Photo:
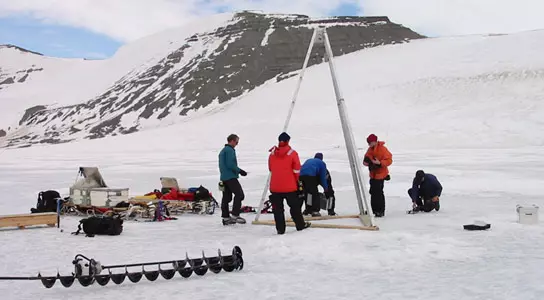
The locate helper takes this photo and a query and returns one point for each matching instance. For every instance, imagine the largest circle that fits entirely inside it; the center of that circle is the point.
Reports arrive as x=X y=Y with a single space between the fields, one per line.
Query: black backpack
x=202 y=193
x=101 y=225
x=47 y=202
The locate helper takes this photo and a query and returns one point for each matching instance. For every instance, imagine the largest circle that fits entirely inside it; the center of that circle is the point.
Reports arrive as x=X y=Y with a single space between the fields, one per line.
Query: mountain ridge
x=210 y=67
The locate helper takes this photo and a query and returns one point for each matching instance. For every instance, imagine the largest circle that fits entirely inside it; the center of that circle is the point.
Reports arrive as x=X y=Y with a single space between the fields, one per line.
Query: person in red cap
x=284 y=166
x=377 y=159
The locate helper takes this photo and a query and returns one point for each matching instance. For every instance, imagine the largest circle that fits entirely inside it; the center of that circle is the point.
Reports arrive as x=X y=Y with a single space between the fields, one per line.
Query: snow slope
x=467 y=109
x=71 y=81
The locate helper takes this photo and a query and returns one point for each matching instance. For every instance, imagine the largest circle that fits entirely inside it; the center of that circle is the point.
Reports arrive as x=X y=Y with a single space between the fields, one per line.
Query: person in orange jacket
x=284 y=166
x=377 y=159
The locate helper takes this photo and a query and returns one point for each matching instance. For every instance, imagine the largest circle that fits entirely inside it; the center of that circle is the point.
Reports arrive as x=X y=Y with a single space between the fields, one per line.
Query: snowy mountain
x=12 y=74
x=201 y=67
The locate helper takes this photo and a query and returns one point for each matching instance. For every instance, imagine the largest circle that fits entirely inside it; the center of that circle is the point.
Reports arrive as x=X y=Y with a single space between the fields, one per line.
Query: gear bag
x=201 y=193
x=101 y=225
x=326 y=202
x=47 y=202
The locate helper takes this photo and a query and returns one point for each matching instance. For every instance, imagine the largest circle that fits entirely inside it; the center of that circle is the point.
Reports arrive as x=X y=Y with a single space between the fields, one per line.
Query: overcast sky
x=96 y=28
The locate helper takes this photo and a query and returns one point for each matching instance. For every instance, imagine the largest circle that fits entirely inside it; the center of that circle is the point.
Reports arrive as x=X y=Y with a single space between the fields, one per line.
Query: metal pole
x=355 y=163
x=300 y=77
x=58 y=211
x=290 y=113
x=341 y=109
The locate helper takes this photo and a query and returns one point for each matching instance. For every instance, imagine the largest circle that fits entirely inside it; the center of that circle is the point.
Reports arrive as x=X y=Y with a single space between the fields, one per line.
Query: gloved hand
x=300 y=190
x=300 y=186
x=243 y=173
x=435 y=199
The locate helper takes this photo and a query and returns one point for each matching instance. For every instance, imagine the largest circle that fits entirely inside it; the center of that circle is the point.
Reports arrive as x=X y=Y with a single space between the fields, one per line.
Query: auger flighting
x=88 y=271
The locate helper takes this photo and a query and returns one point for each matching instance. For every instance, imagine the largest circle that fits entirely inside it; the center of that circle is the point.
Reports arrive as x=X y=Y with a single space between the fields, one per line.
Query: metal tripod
x=321 y=38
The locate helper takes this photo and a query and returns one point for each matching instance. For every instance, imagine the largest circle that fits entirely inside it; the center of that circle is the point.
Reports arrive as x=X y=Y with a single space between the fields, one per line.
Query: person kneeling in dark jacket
x=425 y=192
x=312 y=174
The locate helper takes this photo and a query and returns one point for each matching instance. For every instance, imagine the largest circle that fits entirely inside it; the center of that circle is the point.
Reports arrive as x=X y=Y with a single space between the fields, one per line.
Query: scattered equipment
x=91 y=190
x=477 y=225
x=527 y=215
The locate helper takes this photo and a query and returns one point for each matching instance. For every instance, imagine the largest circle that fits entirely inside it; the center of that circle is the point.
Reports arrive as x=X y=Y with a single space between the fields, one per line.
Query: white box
x=91 y=190
x=103 y=197
x=527 y=215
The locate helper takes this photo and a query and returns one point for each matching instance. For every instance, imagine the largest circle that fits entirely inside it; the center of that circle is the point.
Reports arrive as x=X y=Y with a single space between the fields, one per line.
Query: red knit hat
x=371 y=138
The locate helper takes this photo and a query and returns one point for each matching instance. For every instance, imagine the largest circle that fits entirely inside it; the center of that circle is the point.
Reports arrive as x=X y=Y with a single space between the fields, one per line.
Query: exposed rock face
x=31 y=111
x=211 y=67
x=17 y=77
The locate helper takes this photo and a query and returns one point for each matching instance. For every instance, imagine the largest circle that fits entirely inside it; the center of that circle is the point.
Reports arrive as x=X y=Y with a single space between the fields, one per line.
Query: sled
x=24 y=220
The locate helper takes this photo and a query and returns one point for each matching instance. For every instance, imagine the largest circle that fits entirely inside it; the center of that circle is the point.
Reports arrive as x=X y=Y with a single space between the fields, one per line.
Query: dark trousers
x=232 y=186
x=424 y=201
x=295 y=205
x=377 y=198
x=311 y=193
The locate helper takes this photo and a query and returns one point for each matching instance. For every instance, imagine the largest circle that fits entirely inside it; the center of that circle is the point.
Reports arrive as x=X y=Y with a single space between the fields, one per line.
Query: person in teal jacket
x=229 y=171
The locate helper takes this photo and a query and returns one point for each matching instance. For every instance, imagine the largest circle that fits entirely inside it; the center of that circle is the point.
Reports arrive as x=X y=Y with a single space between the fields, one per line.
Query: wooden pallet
x=309 y=218
x=318 y=225
x=25 y=220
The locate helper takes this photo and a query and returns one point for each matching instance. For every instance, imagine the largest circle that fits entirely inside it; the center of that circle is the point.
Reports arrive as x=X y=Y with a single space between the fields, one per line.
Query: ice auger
x=88 y=271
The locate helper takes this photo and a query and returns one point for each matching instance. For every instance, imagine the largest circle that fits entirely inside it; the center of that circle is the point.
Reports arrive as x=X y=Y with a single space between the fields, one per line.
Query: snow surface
x=467 y=109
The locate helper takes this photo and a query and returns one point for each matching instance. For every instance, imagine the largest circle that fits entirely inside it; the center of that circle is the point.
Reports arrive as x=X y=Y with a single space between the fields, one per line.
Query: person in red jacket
x=284 y=166
x=377 y=159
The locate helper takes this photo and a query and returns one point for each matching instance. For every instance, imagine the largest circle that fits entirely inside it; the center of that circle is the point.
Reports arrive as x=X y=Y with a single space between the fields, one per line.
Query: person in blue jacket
x=229 y=170
x=425 y=192
x=312 y=174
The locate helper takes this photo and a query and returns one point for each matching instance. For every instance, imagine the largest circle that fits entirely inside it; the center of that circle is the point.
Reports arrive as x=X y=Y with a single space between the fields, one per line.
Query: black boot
x=306 y=225
x=229 y=221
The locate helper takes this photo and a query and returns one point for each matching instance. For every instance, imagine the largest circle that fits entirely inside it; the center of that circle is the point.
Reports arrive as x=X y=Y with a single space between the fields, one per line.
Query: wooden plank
x=23 y=220
x=28 y=215
x=307 y=218
x=317 y=225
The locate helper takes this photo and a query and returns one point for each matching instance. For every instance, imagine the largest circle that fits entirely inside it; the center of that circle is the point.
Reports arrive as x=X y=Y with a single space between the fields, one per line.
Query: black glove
x=243 y=173
x=300 y=190
x=371 y=165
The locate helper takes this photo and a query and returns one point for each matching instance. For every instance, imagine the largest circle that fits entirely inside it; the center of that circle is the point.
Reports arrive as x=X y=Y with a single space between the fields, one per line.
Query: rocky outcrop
x=17 y=77
x=211 y=67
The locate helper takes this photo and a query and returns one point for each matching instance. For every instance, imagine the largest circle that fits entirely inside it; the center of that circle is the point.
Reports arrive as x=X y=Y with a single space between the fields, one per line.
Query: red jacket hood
x=380 y=143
